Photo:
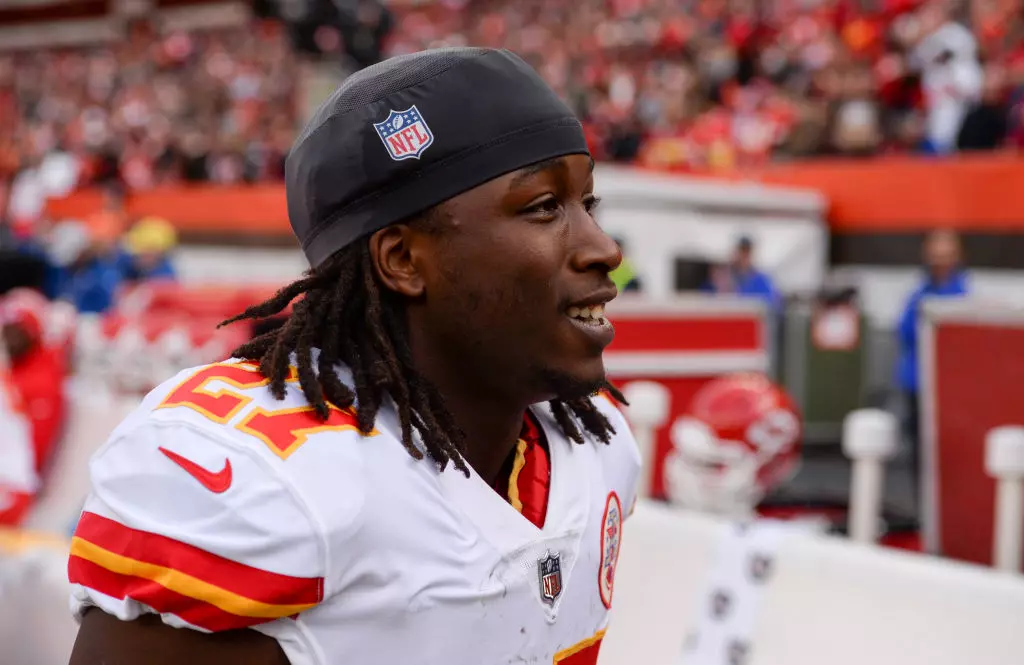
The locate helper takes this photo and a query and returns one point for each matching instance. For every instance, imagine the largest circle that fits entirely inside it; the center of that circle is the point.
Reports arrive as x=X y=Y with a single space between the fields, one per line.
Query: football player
x=424 y=465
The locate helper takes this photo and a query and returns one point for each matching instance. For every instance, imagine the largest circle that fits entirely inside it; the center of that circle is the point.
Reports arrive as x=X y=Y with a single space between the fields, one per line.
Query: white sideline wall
x=36 y=627
x=825 y=600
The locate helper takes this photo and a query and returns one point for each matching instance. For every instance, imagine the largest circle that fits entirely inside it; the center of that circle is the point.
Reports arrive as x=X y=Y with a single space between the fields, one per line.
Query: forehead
x=569 y=164
x=567 y=173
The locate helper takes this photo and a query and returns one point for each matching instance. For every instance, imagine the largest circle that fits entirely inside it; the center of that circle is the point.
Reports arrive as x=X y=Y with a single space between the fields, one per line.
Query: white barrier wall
x=691 y=590
x=36 y=627
x=822 y=600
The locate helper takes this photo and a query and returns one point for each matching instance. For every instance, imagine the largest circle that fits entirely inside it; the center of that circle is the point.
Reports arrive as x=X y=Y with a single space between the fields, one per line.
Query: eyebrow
x=540 y=167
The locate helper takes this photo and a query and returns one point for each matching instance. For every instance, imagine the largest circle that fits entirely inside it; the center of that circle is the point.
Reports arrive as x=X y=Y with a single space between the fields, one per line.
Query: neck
x=491 y=426
x=490 y=419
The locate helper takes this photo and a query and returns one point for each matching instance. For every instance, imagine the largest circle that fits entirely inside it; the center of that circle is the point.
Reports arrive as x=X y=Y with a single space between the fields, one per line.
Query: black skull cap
x=401 y=136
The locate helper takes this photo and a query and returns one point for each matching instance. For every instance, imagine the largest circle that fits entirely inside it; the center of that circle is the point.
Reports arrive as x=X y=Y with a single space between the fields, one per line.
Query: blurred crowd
x=158 y=108
x=699 y=84
x=87 y=262
x=211 y=106
x=723 y=83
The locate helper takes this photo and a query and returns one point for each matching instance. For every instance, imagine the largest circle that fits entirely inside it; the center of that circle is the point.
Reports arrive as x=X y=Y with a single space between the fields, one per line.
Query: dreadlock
x=350 y=319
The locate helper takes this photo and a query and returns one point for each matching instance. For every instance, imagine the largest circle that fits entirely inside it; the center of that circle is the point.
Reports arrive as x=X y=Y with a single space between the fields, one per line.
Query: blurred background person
x=18 y=478
x=625 y=276
x=37 y=370
x=741 y=277
x=88 y=270
x=986 y=124
x=951 y=77
x=146 y=250
x=944 y=277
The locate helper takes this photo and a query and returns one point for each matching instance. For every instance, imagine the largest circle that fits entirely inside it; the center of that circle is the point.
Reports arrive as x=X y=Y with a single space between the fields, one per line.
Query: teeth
x=594 y=313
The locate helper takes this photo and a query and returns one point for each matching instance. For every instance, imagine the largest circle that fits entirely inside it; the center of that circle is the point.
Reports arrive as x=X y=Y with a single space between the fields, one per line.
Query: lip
x=601 y=335
x=602 y=297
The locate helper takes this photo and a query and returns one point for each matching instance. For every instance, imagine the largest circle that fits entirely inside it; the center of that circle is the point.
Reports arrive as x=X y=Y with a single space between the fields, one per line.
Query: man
x=944 y=278
x=743 y=278
x=946 y=54
x=18 y=478
x=146 y=251
x=416 y=468
x=625 y=276
x=37 y=369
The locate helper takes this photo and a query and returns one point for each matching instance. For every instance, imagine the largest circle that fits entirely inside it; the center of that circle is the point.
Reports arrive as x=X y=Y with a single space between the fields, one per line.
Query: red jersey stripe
x=165 y=601
x=253 y=583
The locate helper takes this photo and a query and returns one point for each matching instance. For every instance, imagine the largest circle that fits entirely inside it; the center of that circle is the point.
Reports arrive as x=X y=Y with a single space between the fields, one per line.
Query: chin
x=573 y=384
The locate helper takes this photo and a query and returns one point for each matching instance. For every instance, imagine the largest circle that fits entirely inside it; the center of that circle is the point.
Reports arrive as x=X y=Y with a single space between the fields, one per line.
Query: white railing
x=1004 y=460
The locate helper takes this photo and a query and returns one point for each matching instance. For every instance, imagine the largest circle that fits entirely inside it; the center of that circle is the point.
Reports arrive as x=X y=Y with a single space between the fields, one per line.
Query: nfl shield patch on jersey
x=549 y=570
x=405 y=134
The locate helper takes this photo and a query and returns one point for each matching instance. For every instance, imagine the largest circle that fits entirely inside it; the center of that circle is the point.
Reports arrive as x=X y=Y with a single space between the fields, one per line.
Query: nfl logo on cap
x=405 y=134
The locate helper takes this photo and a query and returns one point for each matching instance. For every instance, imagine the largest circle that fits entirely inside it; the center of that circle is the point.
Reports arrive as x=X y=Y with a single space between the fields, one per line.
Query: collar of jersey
x=568 y=499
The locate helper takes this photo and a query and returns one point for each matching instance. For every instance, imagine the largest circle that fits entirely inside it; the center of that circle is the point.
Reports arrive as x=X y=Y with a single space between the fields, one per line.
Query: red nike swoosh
x=215 y=482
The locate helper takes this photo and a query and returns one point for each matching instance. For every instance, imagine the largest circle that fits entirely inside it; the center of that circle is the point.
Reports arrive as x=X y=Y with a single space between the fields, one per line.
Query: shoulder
x=622 y=445
x=216 y=505
x=231 y=402
x=181 y=522
x=619 y=458
x=917 y=294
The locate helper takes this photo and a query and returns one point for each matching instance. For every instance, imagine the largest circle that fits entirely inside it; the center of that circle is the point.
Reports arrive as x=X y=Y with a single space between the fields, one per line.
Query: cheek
x=510 y=287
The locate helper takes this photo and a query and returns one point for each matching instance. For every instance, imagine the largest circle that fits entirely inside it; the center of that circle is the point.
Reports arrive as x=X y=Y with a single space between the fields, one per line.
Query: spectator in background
x=951 y=78
x=985 y=126
x=110 y=220
x=93 y=272
x=18 y=478
x=146 y=251
x=36 y=370
x=857 y=121
x=625 y=276
x=944 y=277
x=741 y=277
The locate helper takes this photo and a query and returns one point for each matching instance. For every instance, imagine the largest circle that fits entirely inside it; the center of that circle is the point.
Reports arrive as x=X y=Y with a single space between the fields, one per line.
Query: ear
x=393 y=251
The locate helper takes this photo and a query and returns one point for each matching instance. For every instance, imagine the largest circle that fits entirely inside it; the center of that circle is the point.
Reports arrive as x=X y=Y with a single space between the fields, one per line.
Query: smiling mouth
x=592 y=316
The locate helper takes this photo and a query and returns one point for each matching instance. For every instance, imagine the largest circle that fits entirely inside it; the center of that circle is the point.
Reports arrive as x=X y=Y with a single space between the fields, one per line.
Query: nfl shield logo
x=405 y=134
x=550 y=571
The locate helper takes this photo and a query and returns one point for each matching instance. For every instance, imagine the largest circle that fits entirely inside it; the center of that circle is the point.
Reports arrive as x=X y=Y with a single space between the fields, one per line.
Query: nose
x=594 y=249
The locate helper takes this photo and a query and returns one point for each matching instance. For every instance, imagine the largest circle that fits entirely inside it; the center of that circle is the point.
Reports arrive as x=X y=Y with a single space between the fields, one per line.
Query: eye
x=590 y=202
x=545 y=208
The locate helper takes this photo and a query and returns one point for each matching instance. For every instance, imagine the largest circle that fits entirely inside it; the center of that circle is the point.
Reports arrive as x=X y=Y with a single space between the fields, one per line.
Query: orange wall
x=981 y=194
x=257 y=210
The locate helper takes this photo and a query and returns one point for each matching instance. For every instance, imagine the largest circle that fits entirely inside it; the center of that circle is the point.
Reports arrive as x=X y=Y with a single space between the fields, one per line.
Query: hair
x=346 y=314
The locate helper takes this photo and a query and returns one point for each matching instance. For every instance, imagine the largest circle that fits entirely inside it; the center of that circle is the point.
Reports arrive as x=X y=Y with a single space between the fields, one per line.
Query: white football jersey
x=219 y=507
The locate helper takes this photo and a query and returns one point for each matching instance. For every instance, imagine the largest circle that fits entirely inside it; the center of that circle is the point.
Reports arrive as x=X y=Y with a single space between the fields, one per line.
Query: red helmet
x=739 y=439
